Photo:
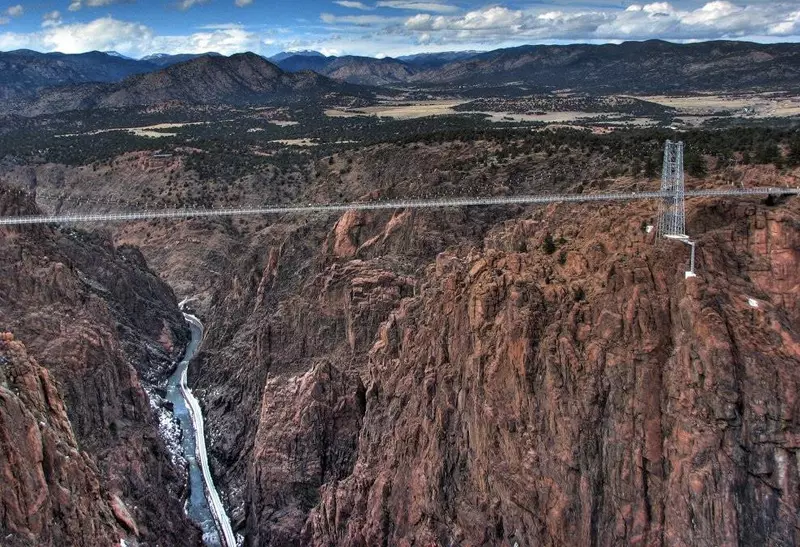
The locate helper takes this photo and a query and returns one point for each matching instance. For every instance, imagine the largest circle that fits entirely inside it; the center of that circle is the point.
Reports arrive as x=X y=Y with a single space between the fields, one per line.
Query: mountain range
x=165 y=59
x=244 y=78
x=653 y=66
x=23 y=72
x=56 y=81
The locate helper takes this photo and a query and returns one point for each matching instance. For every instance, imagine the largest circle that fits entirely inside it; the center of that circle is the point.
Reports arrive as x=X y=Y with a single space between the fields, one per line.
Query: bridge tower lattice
x=671 y=209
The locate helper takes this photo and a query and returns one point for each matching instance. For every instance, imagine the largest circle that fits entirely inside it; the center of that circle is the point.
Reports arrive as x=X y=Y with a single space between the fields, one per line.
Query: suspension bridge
x=671 y=220
x=665 y=196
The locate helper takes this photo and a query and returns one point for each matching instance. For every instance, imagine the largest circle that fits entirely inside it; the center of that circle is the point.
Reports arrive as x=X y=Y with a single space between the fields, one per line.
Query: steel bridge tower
x=671 y=208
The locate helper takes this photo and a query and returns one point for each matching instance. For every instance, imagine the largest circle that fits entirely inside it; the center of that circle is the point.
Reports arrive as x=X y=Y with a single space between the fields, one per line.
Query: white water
x=196 y=413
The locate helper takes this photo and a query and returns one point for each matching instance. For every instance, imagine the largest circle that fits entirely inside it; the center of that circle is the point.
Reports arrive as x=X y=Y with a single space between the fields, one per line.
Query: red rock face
x=98 y=322
x=307 y=436
x=52 y=491
x=591 y=395
x=605 y=400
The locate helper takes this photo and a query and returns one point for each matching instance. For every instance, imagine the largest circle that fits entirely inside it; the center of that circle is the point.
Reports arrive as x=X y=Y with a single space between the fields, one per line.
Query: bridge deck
x=148 y=214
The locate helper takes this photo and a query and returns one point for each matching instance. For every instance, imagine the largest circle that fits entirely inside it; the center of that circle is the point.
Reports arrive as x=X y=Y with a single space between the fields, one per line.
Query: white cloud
x=718 y=19
x=15 y=11
x=353 y=5
x=358 y=20
x=103 y=34
x=436 y=7
x=497 y=18
x=76 y=5
x=4 y=20
x=51 y=19
x=243 y=3
x=183 y=5
x=132 y=39
x=225 y=41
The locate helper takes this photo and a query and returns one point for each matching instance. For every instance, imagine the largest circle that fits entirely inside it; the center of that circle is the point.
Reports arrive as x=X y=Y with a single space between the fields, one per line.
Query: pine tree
x=650 y=168
x=549 y=246
x=794 y=151
x=695 y=165
x=768 y=153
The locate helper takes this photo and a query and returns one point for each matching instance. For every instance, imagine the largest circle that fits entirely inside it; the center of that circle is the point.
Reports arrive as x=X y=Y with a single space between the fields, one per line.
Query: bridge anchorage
x=672 y=206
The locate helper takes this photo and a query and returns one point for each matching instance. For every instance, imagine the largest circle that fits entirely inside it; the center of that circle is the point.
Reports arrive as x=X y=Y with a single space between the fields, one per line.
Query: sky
x=377 y=28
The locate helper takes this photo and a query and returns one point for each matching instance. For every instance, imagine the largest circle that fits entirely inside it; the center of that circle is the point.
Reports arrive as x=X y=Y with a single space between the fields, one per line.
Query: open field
x=296 y=142
x=403 y=111
x=760 y=105
x=146 y=131
x=447 y=108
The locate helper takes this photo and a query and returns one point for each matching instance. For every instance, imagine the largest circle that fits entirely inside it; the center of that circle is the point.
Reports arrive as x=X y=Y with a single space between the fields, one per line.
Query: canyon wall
x=541 y=379
x=101 y=326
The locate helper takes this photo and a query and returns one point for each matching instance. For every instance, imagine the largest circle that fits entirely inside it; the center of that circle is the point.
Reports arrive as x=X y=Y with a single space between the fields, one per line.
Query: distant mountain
x=244 y=78
x=166 y=59
x=631 y=67
x=296 y=63
x=647 y=67
x=23 y=72
x=278 y=57
x=642 y=67
x=368 y=70
x=433 y=60
x=118 y=54
x=353 y=69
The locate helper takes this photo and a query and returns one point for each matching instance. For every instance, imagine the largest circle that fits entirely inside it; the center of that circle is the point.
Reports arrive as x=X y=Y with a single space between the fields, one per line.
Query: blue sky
x=377 y=27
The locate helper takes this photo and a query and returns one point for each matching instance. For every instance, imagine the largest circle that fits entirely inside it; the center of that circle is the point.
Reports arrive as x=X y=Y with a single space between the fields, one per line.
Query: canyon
x=92 y=327
x=473 y=376
x=500 y=394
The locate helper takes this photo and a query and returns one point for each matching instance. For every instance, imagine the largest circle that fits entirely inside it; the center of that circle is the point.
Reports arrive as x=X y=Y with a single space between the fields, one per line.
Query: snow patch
x=168 y=427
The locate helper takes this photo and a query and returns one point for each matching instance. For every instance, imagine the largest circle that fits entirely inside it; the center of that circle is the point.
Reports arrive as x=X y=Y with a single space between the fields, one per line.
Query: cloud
x=367 y=33
x=358 y=20
x=129 y=38
x=496 y=18
x=718 y=19
x=51 y=19
x=76 y=5
x=103 y=34
x=4 y=20
x=183 y=5
x=243 y=3
x=436 y=7
x=15 y=11
x=353 y=5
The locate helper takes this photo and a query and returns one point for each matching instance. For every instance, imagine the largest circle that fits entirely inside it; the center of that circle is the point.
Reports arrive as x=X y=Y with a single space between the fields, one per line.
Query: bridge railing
x=151 y=214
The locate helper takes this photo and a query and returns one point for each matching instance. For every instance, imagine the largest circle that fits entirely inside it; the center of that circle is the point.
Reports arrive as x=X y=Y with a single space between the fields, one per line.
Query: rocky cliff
x=602 y=400
x=101 y=326
x=429 y=379
x=53 y=495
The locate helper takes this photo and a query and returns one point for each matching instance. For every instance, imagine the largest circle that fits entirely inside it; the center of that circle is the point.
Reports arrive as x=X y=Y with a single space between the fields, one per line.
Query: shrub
x=549 y=245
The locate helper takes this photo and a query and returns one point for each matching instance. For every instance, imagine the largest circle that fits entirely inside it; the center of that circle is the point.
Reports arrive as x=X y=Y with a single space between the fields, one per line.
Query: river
x=204 y=505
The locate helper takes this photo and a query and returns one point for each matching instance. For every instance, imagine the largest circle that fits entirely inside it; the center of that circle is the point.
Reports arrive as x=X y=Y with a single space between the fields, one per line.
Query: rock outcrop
x=604 y=400
x=52 y=491
x=517 y=391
